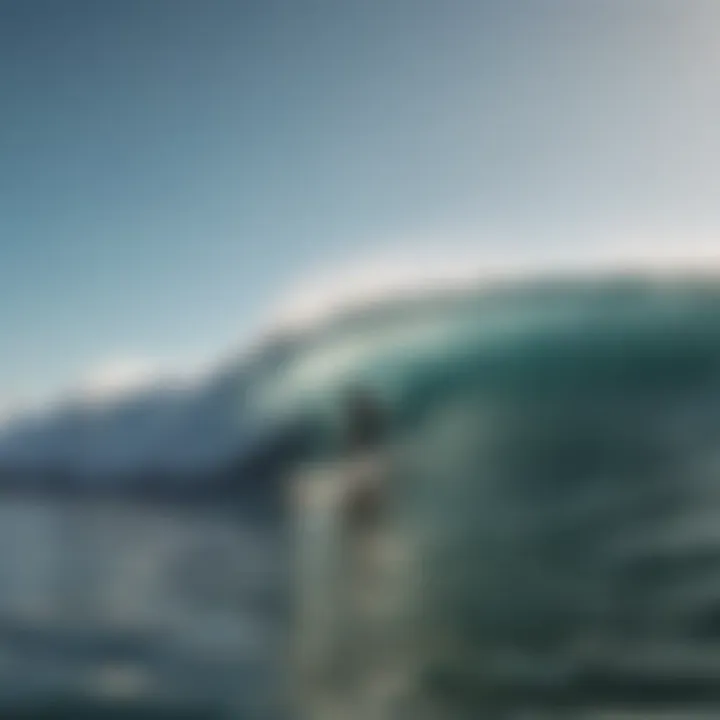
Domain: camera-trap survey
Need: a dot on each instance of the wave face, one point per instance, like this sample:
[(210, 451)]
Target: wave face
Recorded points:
[(553, 476)]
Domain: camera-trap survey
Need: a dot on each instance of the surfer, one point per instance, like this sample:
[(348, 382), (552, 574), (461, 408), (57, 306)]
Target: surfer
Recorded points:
[(366, 425)]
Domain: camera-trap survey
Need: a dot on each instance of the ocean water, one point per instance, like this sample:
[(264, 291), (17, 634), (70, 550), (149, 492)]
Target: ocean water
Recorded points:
[(537, 534), (545, 538), (113, 608)]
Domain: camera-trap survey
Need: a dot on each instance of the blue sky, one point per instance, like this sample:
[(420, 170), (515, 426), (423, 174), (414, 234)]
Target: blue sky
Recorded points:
[(167, 167)]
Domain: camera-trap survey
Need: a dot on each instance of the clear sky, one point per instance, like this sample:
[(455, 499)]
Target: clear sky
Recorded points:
[(168, 166)]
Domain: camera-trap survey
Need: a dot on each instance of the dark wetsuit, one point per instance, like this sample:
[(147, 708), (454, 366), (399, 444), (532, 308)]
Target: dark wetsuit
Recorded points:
[(365, 432), (365, 425)]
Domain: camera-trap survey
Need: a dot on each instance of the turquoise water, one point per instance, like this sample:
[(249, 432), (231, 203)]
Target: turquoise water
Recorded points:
[(556, 474)]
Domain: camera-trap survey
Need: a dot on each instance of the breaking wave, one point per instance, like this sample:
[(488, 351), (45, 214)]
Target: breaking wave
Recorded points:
[(556, 470)]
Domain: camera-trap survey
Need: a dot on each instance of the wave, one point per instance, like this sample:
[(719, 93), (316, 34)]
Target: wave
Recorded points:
[(555, 477)]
